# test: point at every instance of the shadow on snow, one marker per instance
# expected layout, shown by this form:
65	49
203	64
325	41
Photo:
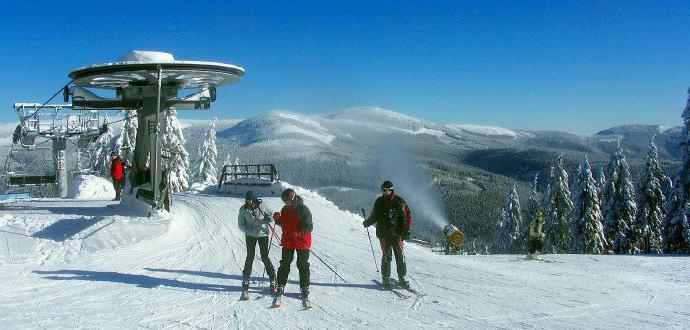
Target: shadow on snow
145	281
68	228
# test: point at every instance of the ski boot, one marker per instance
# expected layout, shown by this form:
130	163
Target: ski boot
304	294
278	300
245	290
386	284
403	283
272	286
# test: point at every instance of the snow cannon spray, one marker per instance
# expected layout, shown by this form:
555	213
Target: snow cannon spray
453	235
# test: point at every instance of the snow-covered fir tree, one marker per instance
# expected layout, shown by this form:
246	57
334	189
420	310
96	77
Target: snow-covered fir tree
559	208
176	160
534	203
206	167
575	187
649	221
677	229
587	218
620	207
509	237
601	183
99	151
128	135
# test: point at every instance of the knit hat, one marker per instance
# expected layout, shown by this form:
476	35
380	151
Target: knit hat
387	184
249	195
287	195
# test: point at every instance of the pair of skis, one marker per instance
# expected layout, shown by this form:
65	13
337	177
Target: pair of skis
402	292
278	300
306	303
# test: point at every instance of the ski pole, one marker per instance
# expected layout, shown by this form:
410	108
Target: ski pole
270	242
329	267
317	257
370	244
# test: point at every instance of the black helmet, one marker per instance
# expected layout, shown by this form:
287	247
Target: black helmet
249	195
387	184
287	195
113	154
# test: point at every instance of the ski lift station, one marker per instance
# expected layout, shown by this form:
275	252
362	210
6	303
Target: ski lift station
145	81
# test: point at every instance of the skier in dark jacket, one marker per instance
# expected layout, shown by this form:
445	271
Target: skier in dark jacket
296	223
254	220
393	221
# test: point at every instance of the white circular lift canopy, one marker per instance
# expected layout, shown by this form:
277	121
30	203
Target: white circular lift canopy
149	82
140	68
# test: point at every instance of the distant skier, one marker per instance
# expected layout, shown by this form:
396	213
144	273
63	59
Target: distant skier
254	220
393	221
295	220
117	174
536	237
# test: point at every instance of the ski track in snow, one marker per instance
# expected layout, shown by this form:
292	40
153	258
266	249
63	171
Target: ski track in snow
184	271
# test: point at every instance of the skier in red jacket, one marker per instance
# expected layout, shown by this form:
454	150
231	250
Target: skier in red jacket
295	220
117	174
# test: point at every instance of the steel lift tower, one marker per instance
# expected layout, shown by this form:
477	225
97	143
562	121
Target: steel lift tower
149	82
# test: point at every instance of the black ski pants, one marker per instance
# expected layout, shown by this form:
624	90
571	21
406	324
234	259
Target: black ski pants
263	249
302	266
535	245
118	184
390	246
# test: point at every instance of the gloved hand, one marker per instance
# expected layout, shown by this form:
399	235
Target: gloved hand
276	216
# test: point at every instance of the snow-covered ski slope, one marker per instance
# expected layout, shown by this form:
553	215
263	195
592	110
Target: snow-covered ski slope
79	264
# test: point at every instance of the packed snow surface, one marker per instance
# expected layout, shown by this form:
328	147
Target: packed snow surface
80	264
88	186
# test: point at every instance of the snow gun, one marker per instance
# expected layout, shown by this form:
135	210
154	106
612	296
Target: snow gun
453	235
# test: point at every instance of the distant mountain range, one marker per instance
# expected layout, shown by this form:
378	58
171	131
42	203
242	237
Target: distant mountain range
346	154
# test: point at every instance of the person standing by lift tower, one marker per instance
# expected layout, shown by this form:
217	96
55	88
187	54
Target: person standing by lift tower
393	221
117	174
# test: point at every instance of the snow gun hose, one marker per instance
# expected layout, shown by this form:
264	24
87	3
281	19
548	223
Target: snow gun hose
315	255
371	245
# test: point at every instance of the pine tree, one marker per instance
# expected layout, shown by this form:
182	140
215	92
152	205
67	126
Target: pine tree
99	150
677	229
509	228
559	210
587	218
620	206
533	204
207	153
601	183
648	223
575	187
176	161
128	135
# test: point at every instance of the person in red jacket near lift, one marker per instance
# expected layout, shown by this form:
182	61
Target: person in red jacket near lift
295	220
117	174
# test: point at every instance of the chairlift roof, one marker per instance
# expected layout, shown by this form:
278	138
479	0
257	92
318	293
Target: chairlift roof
182	74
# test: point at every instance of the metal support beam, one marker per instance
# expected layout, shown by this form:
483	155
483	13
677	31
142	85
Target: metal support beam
59	151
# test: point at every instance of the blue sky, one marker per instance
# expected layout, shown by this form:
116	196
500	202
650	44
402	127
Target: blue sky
578	66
